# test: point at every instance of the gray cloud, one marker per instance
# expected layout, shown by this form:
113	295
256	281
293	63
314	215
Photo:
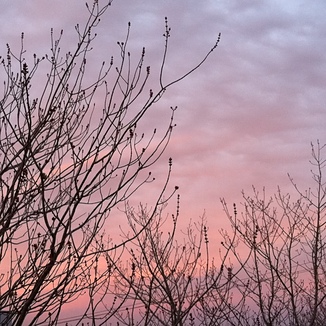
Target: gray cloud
248	115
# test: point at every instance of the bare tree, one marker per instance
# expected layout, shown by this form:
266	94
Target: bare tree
281	248
169	279
70	151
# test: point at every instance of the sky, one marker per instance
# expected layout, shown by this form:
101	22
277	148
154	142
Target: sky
246	117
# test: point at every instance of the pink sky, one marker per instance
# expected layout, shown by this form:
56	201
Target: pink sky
247	117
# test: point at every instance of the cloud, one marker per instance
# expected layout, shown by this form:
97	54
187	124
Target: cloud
247	116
